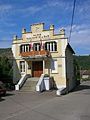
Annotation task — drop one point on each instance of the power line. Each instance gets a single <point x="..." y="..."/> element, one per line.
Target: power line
<point x="72" y="19"/>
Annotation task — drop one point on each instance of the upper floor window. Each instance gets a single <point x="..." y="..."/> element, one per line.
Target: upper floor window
<point x="25" y="48"/>
<point x="36" y="46"/>
<point x="51" y="46"/>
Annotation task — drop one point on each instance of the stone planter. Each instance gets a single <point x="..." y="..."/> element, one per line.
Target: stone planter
<point x="47" y="83"/>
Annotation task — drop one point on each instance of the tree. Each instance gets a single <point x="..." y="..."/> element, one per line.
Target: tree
<point x="5" y="67"/>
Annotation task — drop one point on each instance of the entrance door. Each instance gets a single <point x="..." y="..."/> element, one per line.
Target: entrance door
<point x="37" y="68"/>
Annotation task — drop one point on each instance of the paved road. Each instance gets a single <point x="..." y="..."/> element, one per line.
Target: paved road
<point x="47" y="106"/>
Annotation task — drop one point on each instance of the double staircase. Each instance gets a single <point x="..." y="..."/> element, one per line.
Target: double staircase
<point x="30" y="84"/>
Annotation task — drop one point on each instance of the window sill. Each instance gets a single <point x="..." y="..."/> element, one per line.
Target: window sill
<point x="53" y="51"/>
<point x="54" y="73"/>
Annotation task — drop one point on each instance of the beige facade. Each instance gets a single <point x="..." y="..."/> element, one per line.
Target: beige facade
<point x="43" y="51"/>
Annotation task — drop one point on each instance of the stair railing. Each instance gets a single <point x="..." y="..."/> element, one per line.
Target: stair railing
<point x="40" y="85"/>
<point x="21" y="81"/>
<point x="61" y="91"/>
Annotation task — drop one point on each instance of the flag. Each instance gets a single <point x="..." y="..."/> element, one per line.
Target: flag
<point x="31" y="45"/>
<point x="41" y="44"/>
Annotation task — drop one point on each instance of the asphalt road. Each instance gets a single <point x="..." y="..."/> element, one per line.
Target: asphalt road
<point x="46" y="105"/>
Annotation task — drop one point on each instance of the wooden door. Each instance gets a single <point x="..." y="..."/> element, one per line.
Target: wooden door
<point x="37" y="68"/>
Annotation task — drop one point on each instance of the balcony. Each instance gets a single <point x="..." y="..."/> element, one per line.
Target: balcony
<point x="34" y="54"/>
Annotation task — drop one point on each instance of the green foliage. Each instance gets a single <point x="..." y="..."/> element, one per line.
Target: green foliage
<point x="6" y="65"/>
<point x="6" y="52"/>
<point x="76" y="70"/>
<point x="83" y="62"/>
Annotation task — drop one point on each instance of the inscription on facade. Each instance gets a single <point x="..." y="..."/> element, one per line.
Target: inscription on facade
<point x="37" y="36"/>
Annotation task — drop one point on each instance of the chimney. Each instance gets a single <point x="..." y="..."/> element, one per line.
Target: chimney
<point x="15" y="37"/>
<point x="62" y="31"/>
<point x="23" y="30"/>
<point x="51" y="27"/>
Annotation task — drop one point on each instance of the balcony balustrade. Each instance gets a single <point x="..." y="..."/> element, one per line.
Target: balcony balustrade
<point x="42" y="53"/>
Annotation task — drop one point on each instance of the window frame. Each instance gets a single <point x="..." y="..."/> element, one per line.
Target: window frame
<point x="51" y="46"/>
<point x="54" y="63"/>
<point x="25" y="48"/>
<point x="36" y="46"/>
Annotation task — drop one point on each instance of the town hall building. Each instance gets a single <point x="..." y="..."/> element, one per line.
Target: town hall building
<point x="41" y="53"/>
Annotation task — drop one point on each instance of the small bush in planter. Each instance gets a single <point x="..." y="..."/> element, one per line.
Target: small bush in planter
<point x="46" y="75"/>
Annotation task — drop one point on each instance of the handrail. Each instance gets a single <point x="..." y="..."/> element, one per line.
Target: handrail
<point x="40" y="85"/>
<point x="21" y="81"/>
<point x="61" y="91"/>
<point x="43" y="84"/>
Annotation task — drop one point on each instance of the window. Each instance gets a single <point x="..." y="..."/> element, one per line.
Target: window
<point x="37" y="46"/>
<point x="51" y="46"/>
<point x="54" y="66"/>
<point x="25" y="48"/>
<point x="22" y="66"/>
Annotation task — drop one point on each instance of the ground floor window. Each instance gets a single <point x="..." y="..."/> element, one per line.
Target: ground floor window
<point x="22" y="66"/>
<point x="54" y="66"/>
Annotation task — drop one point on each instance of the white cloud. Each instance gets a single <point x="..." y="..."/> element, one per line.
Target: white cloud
<point x="7" y="23"/>
<point x="4" y="10"/>
<point x="81" y="34"/>
<point x="46" y="6"/>
<point x="80" y="37"/>
<point x="29" y="10"/>
<point x="60" y="3"/>
<point x="5" y="7"/>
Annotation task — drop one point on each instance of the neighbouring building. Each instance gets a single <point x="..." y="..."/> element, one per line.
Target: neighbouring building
<point x="85" y="74"/>
<point x="42" y="51"/>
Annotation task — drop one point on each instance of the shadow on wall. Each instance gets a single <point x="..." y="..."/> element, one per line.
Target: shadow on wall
<point x="53" y="83"/>
<point x="71" y="78"/>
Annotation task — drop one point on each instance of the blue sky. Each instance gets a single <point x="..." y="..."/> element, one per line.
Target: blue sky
<point x="18" y="14"/>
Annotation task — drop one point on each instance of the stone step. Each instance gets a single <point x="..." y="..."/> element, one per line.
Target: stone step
<point x="30" y="84"/>
<point x="33" y="79"/>
<point x="28" y="89"/>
